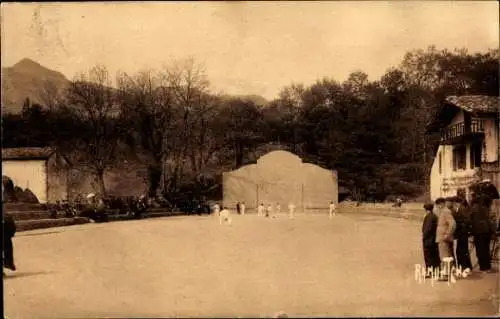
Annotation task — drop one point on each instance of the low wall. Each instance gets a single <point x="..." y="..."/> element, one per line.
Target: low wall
<point x="409" y="211"/>
<point x="24" y="225"/>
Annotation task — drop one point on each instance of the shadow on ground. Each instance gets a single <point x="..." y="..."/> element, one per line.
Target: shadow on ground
<point x="36" y="234"/>
<point x="26" y="274"/>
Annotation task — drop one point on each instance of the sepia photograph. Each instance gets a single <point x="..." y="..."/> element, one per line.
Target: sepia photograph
<point x="250" y="159"/>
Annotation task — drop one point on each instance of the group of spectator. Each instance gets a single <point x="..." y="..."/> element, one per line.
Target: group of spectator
<point x="448" y="226"/>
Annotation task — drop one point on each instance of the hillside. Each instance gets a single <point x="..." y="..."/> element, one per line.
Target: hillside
<point x="28" y="79"/>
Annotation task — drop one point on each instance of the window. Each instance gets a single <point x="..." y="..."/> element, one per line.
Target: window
<point x="459" y="157"/>
<point x="440" y="163"/>
<point x="475" y="155"/>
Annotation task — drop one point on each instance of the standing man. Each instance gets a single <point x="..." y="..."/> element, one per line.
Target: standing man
<point x="450" y="204"/>
<point x="260" y="210"/>
<point x="291" y="210"/>
<point x="225" y="216"/>
<point x="238" y="207"/>
<point x="444" y="235"/>
<point x="462" y="218"/>
<point x="332" y="209"/>
<point x="482" y="230"/>
<point x="430" y="247"/>
<point x="9" y="230"/>
<point x="269" y="210"/>
<point x="216" y="209"/>
<point x="242" y="208"/>
<point x="278" y="209"/>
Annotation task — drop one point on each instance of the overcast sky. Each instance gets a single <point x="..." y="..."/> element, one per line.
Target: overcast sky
<point x="247" y="47"/>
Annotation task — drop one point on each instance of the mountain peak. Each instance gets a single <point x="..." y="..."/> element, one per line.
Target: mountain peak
<point x="29" y="79"/>
<point x="26" y="64"/>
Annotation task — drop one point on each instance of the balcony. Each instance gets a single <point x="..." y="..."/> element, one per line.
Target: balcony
<point x="491" y="167"/>
<point x="460" y="132"/>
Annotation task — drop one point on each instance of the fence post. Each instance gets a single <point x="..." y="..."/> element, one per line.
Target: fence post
<point x="257" y="192"/>
<point x="302" y="197"/>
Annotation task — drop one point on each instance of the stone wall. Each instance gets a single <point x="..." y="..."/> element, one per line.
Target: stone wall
<point x="57" y="179"/>
<point x="280" y="177"/>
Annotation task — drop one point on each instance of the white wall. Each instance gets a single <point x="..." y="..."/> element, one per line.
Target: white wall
<point x="455" y="179"/>
<point x="461" y="178"/>
<point x="281" y="177"/>
<point x="30" y="174"/>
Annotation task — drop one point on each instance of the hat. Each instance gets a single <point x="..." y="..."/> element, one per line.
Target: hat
<point x="90" y="195"/>
<point x="440" y="200"/>
<point x="428" y="206"/>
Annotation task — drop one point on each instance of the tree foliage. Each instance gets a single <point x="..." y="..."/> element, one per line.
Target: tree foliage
<point x="371" y="132"/>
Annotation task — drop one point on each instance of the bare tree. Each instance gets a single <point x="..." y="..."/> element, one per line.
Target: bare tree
<point x="91" y="100"/>
<point x="196" y="106"/>
<point x="148" y="106"/>
<point x="51" y="95"/>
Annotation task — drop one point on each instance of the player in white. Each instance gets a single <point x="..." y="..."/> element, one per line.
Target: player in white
<point x="278" y="209"/>
<point x="224" y="216"/>
<point x="242" y="208"/>
<point x="269" y="210"/>
<point x="216" y="209"/>
<point x="291" y="210"/>
<point x="332" y="209"/>
<point x="260" y="210"/>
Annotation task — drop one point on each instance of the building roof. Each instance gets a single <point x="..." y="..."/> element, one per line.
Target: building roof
<point x="27" y="153"/>
<point x="476" y="103"/>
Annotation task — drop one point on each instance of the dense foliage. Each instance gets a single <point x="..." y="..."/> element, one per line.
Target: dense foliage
<point x="371" y="132"/>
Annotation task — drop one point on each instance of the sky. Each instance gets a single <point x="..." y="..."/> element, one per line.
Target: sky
<point x="246" y="47"/>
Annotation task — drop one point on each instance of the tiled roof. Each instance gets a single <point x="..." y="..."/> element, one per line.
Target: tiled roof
<point x="476" y="103"/>
<point x="27" y="153"/>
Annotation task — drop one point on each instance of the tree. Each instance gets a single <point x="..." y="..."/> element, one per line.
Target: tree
<point x="91" y="99"/>
<point x="190" y="85"/>
<point x="290" y="104"/>
<point x="238" y="124"/>
<point x="50" y="95"/>
<point x="148" y="109"/>
<point x="356" y="84"/>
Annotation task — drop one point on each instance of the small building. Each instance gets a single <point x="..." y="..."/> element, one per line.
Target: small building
<point x="281" y="177"/>
<point x="42" y="170"/>
<point x="469" y="144"/>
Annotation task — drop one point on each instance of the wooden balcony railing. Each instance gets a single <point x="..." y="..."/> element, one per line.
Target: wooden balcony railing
<point x="490" y="166"/>
<point x="459" y="130"/>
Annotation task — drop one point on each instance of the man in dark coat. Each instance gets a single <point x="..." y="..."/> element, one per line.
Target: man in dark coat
<point x="9" y="230"/>
<point x="462" y="218"/>
<point x="482" y="230"/>
<point x="431" y="252"/>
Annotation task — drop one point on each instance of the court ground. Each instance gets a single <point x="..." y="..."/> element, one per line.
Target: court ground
<point x="194" y="267"/>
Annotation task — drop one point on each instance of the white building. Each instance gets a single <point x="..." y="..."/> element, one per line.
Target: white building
<point x="41" y="170"/>
<point x="469" y="146"/>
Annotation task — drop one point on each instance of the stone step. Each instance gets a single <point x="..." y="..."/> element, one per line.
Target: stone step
<point x="30" y="215"/>
<point x="22" y="207"/>
<point x="24" y="225"/>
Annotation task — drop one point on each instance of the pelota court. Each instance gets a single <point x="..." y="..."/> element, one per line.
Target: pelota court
<point x="193" y="267"/>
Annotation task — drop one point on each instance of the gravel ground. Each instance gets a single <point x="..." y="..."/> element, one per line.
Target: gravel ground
<point x="256" y="267"/>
